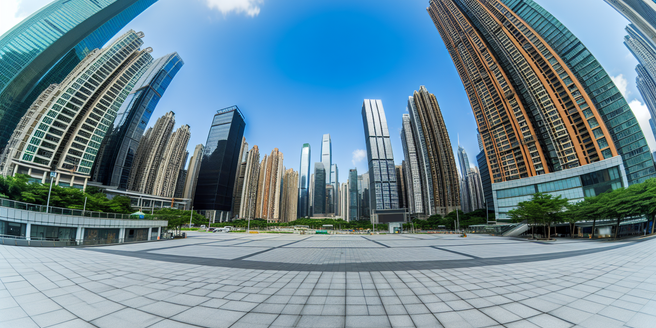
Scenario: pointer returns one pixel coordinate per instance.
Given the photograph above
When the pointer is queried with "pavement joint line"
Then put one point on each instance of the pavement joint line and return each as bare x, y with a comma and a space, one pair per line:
454, 252
356, 266
267, 250
377, 242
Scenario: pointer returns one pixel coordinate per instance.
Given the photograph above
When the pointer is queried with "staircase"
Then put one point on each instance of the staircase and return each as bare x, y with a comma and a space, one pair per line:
516, 230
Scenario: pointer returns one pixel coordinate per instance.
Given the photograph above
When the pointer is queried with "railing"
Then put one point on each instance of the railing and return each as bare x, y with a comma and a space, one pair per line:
62, 211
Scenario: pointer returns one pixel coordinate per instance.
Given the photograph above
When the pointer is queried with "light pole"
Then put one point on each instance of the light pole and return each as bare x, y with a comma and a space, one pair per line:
191, 215
52, 176
85, 206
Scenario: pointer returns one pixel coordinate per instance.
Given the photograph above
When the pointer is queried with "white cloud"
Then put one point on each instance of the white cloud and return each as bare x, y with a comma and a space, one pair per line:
621, 84
641, 113
249, 7
358, 156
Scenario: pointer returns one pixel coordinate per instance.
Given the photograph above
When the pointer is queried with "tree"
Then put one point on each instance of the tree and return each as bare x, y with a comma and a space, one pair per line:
542, 209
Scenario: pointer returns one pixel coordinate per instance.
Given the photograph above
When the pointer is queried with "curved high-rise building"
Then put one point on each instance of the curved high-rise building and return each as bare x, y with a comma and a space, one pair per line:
64, 128
304, 182
114, 163
45, 47
542, 102
641, 13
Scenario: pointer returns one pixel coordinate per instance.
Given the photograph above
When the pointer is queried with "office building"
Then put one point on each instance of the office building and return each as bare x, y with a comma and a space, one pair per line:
239, 179
541, 100
645, 52
344, 201
46, 47
289, 198
304, 182
330, 200
416, 193
353, 197
119, 148
63, 129
439, 154
216, 178
364, 196
192, 173
380, 157
334, 181
150, 154
172, 162
319, 190
400, 187
641, 13
471, 191
311, 195
327, 155
182, 177
486, 181
463, 161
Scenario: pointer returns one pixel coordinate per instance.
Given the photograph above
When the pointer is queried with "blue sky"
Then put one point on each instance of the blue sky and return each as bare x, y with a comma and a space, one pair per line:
299, 69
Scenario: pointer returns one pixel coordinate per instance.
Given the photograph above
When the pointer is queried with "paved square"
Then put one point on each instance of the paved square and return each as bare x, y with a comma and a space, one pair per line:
271, 280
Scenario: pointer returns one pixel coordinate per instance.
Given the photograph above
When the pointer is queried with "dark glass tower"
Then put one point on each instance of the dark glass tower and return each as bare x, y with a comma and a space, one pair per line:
354, 197
45, 47
119, 147
216, 179
319, 195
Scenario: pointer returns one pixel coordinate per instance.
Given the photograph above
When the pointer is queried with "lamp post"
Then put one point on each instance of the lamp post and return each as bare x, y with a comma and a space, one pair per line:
191, 215
85, 206
52, 176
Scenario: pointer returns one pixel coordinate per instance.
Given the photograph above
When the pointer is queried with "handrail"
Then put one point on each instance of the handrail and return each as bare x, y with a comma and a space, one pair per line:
63, 211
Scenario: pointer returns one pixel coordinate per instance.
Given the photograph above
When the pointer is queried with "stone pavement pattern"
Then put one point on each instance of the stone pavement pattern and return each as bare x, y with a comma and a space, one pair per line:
268, 280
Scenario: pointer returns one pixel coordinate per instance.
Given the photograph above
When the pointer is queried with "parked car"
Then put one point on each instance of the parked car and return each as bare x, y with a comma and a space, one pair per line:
224, 229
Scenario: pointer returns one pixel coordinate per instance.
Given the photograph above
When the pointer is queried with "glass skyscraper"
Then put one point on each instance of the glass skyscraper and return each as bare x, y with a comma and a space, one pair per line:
327, 155
463, 160
304, 182
319, 190
380, 157
641, 13
45, 47
354, 196
541, 100
216, 179
112, 168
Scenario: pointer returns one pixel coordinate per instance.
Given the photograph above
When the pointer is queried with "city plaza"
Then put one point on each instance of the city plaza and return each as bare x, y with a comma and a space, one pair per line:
287, 280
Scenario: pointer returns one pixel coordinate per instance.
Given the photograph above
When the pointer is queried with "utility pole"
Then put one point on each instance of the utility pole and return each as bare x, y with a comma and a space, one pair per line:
52, 177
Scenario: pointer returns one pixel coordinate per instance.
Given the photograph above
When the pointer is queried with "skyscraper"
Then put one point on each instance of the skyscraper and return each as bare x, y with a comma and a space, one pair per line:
400, 187
416, 192
319, 190
541, 100
46, 47
472, 191
289, 198
63, 129
304, 182
344, 201
216, 179
271, 175
424, 168
353, 196
251, 180
463, 160
327, 155
172, 162
439, 154
182, 177
150, 155
334, 181
118, 150
380, 156
239, 179
642, 13
645, 52
192, 172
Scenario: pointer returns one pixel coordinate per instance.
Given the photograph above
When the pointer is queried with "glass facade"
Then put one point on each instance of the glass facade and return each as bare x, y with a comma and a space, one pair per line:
327, 155
319, 190
218, 168
304, 182
46, 46
354, 197
485, 180
119, 148
38, 232
615, 111
380, 156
